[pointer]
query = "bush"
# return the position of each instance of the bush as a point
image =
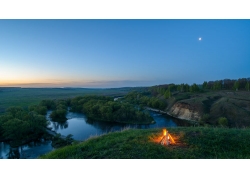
(223, 121)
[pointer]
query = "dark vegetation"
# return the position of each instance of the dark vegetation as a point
(59, 111)
(104, 108)
(19, 126)
(58, 141)
(144, 99)
(191, 143)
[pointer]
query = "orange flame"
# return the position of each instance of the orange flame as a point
(164, 132)
(159, 138)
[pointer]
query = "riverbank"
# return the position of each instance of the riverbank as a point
(191, 143)
(164, 112)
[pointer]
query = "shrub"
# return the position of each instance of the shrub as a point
(223, 121)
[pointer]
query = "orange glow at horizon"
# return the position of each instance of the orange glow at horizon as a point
(40, 83)
(36, 83)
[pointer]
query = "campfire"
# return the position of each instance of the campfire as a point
(164, 138)
(167, 138)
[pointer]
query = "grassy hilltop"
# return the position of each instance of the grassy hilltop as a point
(191, 143)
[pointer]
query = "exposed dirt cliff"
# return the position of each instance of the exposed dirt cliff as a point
(183, 110)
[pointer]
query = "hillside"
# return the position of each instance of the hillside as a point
(191, 143)
(209, 106)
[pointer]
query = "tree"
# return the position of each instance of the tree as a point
(204, 85)
(49, 104)
(210, 84)
(236, 85)
(217, 85)
(194, 88)
(247, 86)
(228, 83)
(242, 83)
(15, 130)
(15, 111)
(186, 88)
(39, 109)
(167, 94)
(59, 115)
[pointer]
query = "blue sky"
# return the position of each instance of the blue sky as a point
(118, 53)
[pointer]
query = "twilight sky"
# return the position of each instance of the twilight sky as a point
(118, 53)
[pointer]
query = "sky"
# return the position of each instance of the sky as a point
(109, 53)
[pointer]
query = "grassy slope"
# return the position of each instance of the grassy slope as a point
(191, 143)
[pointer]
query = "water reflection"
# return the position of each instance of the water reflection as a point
(13, 153)
(28, 151)
(59, 125)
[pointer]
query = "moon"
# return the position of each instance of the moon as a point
(199, 38)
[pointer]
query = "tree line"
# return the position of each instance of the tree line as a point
(168, 90)
(228, 84)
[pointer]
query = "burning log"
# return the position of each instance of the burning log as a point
(167, 138)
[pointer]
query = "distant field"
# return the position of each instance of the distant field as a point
(25, 97)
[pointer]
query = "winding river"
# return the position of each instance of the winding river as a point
(81, 128)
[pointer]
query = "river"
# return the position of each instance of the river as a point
(81, 128)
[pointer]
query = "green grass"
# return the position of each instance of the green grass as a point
(191, 143)
(25, 97)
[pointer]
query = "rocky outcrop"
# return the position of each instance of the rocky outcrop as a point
(185, 111)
